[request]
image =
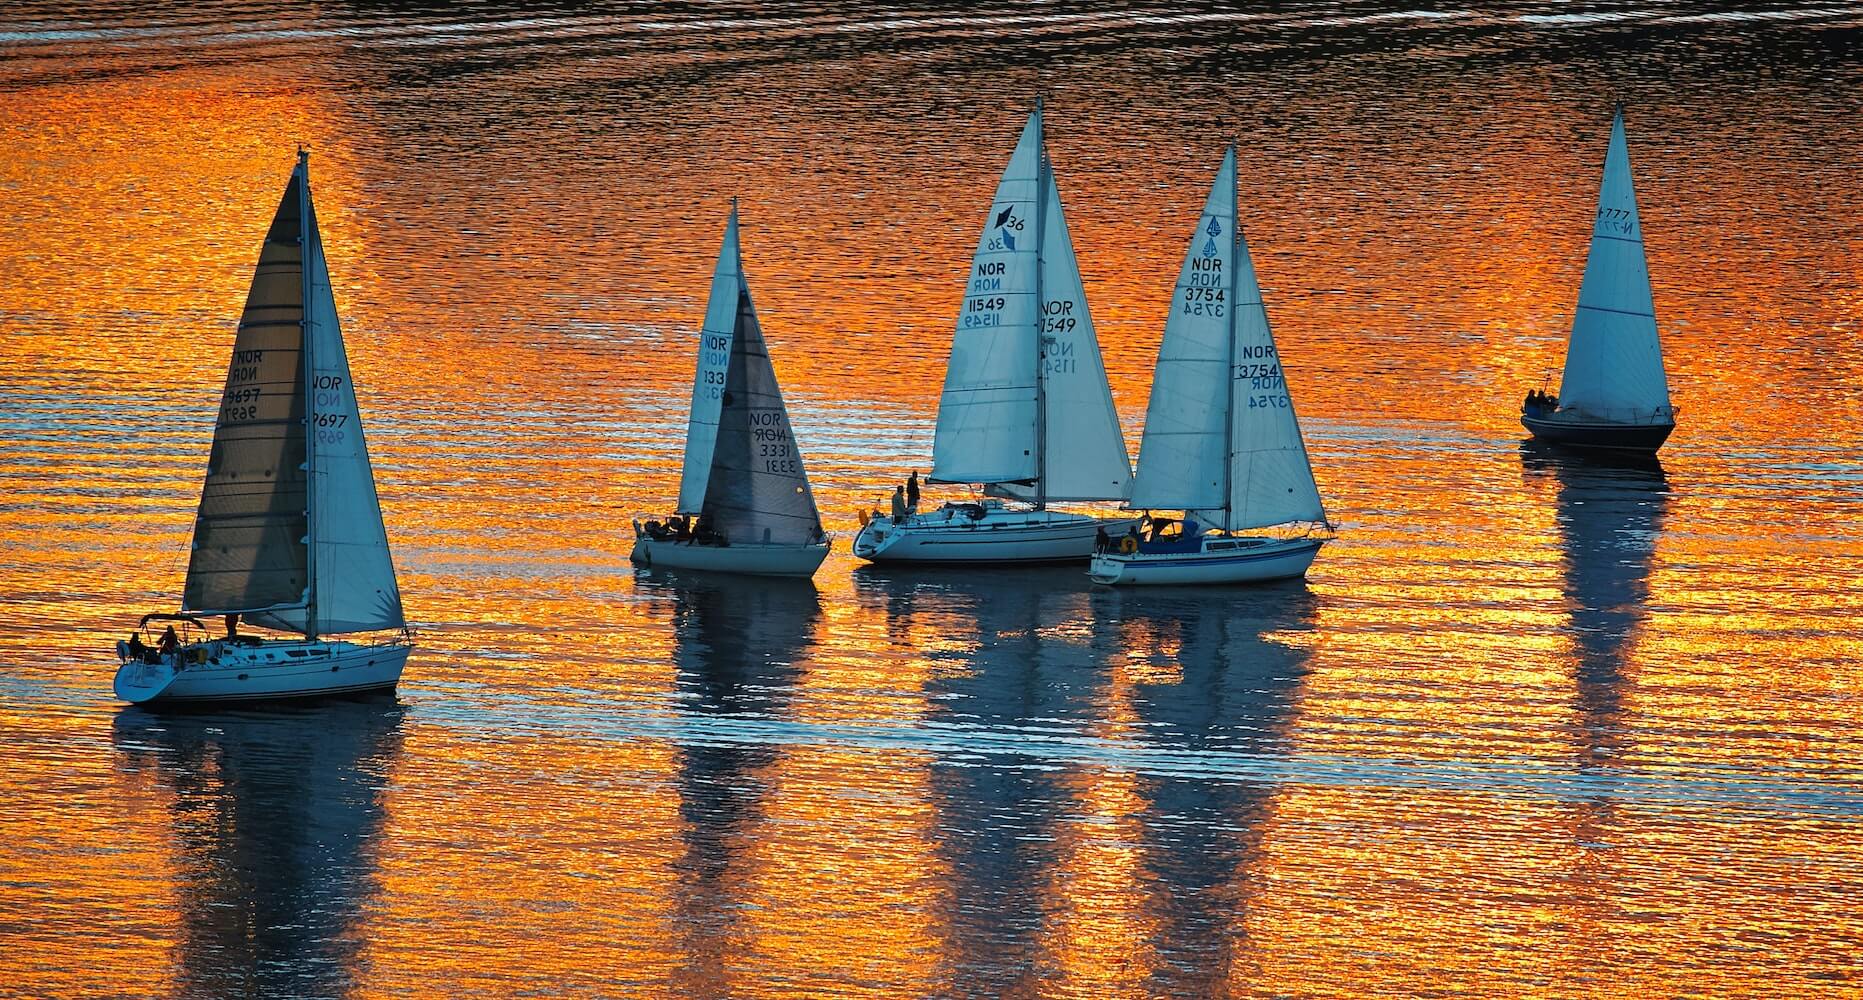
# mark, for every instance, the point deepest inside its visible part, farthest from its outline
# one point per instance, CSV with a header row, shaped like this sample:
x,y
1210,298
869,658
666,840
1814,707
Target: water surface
x,y
1532,726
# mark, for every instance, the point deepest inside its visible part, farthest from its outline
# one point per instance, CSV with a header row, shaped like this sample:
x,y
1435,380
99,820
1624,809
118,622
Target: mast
x,y
1042,180
1229,347
306,362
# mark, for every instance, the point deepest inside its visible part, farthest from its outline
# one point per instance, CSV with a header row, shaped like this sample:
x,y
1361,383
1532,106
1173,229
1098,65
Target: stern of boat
x,y
138,682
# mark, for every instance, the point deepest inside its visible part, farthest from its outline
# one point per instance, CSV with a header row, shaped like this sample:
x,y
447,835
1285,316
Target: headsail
x,y
1184,456
708,381
1613,364
249,551
1084,453
353,587
987,414
1270,476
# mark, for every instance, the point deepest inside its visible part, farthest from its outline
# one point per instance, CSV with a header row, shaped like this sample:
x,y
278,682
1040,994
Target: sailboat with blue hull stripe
x,y
1222,442
1614,394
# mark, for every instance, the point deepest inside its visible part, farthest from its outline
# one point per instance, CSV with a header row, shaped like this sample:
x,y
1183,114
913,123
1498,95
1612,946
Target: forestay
x,y
1183,457
248,550
987,414
1613,364
1270,476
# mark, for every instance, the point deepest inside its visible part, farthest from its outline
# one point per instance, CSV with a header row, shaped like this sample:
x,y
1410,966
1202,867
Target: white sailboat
x,y
1222,442
1615,393
1026,412
289,532
744,499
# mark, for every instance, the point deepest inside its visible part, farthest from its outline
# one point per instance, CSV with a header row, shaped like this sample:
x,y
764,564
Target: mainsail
x,y
1184,455
1221,437
1613,363
751,486
289,530
986,417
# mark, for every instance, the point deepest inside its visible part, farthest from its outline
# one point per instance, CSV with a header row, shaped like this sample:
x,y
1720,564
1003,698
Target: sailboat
x,y
289,531
1026,411
744,499
1222,442
1615,393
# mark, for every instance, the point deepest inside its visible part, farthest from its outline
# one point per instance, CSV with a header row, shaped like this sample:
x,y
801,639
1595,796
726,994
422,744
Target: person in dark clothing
x,y
912,492
137,651
170,642
232,626
1101,540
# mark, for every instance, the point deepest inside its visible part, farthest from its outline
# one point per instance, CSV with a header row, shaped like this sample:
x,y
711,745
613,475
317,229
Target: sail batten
x,y
1613,364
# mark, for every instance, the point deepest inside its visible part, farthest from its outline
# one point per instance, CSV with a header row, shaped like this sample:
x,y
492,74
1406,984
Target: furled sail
x,y
708,381
1613,363
1270,476
249,547
987,414
1183,457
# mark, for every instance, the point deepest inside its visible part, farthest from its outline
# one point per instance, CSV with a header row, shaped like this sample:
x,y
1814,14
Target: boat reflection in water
x,y
278,816
1074,846
737,648
1610,510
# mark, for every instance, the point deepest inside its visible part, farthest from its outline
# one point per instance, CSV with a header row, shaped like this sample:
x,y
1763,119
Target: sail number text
x,y
1262,370
715,357
775,453
1617,220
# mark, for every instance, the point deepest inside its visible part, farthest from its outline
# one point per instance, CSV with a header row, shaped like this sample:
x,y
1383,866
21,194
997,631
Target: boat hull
x,y
1598,435
951,536
220,671
1222,560
746,560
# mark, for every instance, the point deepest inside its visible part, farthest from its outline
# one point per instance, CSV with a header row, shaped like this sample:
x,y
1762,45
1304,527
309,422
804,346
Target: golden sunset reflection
x,y
1533,726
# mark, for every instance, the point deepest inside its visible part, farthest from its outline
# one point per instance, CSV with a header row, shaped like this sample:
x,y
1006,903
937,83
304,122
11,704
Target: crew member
x,y
899,504
912,493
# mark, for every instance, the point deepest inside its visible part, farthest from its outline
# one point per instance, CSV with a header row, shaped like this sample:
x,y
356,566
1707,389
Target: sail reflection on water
x,y
738,648
1215,675
1610,513
278,815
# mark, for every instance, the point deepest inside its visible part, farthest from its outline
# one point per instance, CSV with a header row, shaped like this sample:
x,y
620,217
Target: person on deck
x,y
912,493
138,651
170,642
232,626
1132,532
899,504
1101,540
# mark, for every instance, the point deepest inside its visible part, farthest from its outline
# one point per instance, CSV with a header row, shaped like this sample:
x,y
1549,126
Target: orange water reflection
x,y
1533,726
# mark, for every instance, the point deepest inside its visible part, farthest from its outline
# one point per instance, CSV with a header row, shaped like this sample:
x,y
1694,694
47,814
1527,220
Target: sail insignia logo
x,y
1215,228
1005,221
1209,249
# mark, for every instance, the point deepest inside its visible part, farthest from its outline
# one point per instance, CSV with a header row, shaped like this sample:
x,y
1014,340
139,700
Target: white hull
x,y
749,560
1222,560
273,670
1001,535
